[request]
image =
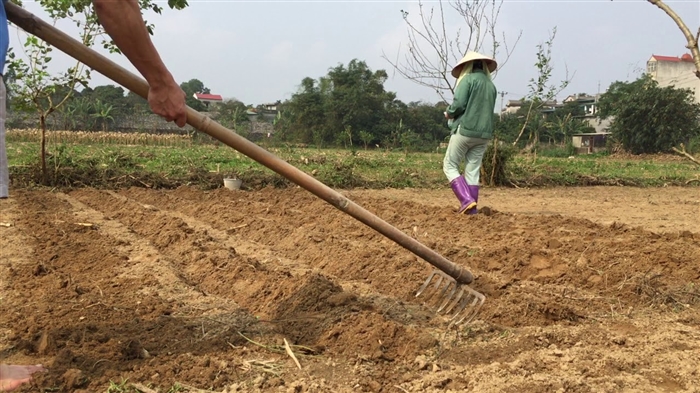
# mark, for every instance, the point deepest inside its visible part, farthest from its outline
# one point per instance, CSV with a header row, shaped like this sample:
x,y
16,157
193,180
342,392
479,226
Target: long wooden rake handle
x,y
33,25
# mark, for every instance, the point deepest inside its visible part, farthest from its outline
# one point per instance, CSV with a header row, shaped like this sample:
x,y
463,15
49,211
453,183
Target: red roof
x,y
685,57
212,97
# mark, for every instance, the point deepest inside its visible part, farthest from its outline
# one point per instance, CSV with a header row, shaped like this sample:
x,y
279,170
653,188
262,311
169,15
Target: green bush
x,y
694,145
494,168
558,151
648,118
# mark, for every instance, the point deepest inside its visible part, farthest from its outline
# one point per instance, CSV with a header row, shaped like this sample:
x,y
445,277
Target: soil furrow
x,y
301,227
147,264
511,255
307,308
97,323
170,286
407,313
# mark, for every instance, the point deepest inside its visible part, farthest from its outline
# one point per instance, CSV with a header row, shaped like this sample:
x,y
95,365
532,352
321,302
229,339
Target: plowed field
x,y
588,290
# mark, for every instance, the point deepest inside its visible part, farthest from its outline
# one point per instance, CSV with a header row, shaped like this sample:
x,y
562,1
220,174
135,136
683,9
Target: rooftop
x,y
208,97
686,57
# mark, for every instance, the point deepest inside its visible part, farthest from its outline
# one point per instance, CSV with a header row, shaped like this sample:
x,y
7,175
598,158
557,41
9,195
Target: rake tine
x,y
465,301
427,282
436,287
476,306
472,309
448,283
455,287
455,301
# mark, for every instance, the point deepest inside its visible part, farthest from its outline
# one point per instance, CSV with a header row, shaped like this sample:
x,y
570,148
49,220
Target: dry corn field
x,y
99,137
588,290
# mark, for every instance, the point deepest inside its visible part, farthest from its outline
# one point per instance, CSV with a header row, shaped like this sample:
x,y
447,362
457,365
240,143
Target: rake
x,y
451,285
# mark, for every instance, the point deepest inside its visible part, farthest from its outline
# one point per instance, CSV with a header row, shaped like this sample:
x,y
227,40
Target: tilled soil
x,y
188,290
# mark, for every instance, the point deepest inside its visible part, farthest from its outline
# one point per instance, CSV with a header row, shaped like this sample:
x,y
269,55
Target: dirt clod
x,y
74,378
554,244
46,344
421,362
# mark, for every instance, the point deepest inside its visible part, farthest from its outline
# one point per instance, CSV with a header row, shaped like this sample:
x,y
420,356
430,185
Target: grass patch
x,y
111,165
600,169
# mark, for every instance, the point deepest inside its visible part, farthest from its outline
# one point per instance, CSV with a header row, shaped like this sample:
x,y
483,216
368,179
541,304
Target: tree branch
x,y
692,45
692,40
431,53
686,154
540,93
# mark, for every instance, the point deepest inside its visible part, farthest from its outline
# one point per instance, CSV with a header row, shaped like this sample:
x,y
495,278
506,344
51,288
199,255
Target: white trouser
x,y
462,148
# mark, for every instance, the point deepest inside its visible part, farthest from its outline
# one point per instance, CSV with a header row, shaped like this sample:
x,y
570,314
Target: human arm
x,y
123,22
461,97
12,376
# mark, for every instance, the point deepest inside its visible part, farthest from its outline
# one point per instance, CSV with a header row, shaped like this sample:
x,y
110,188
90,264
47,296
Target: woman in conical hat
x,y
470,119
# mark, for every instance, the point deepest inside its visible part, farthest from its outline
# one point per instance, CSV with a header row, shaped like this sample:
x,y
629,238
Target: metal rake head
x,y
461,301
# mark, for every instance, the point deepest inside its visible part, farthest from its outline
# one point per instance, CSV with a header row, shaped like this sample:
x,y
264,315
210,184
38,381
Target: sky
x,y
258,51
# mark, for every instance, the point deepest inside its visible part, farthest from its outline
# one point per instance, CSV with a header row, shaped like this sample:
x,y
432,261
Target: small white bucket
x,y
233,184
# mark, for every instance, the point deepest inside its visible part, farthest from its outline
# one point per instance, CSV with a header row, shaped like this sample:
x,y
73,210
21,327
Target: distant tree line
x,y
350,107
110,107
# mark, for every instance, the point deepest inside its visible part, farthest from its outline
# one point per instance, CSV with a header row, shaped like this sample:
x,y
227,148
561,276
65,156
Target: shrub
x,y
648,118
495,163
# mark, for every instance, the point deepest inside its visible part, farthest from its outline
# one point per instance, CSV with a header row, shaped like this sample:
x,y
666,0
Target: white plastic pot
x,y
233,184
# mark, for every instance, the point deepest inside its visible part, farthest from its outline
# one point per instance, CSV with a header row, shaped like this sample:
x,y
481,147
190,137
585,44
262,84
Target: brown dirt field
x,y
588,290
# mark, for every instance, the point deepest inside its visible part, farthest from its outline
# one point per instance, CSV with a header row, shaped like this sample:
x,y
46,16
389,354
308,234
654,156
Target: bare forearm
x,y
123,22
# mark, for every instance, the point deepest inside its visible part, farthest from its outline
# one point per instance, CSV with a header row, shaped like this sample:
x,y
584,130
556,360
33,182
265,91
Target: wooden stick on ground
x,y
143,388
686,154
291,354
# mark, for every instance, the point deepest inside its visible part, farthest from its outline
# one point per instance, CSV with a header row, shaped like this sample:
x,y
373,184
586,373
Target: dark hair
x,y
478,65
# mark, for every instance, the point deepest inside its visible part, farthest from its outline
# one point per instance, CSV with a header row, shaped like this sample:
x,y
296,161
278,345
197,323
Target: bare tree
x,y
692,39
433,50
692,45
541,93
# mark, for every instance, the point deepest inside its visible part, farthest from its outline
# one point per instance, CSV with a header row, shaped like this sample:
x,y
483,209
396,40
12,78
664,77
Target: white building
x,y
589,104
675,71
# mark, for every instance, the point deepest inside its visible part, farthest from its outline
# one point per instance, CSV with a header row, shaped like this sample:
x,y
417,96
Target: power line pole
x,y
500,114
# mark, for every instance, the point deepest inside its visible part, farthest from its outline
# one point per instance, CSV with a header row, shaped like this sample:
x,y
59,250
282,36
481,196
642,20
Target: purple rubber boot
x,y
459,187
474,193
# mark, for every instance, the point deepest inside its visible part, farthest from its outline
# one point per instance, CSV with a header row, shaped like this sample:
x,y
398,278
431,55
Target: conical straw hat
x,y
471,56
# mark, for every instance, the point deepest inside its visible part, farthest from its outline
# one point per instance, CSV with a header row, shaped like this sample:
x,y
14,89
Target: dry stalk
x,y
648,285
192,389
143,388
268,366
687,155
277,348
99,137
291,353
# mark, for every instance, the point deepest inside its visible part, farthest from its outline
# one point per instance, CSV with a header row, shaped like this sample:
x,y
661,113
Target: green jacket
x,y
473,105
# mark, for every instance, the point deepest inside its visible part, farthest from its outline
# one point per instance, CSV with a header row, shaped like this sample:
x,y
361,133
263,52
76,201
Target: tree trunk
x,y
494,162
42,122
527,119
